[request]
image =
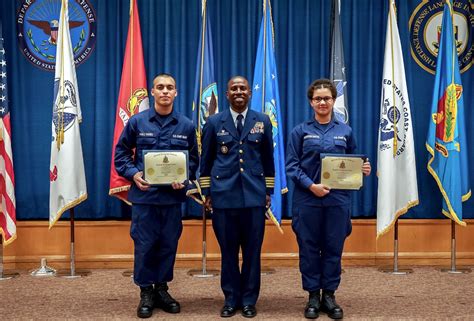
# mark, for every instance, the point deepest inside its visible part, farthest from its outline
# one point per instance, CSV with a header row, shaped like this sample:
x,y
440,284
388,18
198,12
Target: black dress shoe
x,y
249,311
164,300
314,304
228,311
330,307
145,307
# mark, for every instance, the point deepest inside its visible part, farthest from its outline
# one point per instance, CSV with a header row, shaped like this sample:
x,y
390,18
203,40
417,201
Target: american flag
x,y
7,176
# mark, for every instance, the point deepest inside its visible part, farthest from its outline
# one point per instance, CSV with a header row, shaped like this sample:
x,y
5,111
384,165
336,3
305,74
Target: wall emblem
x,y
37,30
425,33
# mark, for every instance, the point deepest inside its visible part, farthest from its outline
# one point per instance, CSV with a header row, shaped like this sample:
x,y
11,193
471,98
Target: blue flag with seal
x,y
446,143
205,101
266,98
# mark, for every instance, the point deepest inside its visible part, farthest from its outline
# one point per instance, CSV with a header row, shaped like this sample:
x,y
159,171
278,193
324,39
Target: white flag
x,y
66,176
397,190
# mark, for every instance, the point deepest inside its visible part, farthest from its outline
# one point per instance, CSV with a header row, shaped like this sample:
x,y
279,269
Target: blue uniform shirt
x,y
303,163
146,131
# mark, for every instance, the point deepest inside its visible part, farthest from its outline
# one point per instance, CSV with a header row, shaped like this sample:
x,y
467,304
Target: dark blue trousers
x,y
321,232
155,231
240,228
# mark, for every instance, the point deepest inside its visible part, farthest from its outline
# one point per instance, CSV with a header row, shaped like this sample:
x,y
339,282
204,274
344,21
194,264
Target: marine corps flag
x,y
266,98
205,101
398,188
133,95
67,176
446,143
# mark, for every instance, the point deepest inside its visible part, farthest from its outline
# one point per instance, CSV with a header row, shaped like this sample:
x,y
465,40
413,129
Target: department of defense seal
x,y
37,26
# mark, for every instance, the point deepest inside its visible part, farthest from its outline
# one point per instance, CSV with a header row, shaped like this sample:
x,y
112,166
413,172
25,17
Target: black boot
x,y
329,305
314,304
164,300
145,308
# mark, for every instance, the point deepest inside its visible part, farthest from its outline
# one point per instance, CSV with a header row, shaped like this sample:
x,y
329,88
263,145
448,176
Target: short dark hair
x,y
320,84
166,75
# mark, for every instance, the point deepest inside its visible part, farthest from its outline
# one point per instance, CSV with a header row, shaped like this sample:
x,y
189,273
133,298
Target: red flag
x,y
7,176
133,95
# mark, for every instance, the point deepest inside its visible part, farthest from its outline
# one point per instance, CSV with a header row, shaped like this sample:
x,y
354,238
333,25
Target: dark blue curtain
x,y
170,32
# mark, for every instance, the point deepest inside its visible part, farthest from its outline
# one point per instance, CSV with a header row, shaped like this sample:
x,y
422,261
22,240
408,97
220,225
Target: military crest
x,y
394,118
425,33
38,22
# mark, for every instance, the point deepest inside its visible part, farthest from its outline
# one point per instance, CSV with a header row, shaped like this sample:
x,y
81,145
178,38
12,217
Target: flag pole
x,y
3,275
395,270
453,269
72,273
203,272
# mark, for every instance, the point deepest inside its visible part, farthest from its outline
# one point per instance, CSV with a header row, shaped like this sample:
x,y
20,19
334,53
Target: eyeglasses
x,y
318,100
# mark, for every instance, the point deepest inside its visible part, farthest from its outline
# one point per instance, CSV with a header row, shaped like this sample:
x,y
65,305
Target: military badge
x,y
258,128
224,149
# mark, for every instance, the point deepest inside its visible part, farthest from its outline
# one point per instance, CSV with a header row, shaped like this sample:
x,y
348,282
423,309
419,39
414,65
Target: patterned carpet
x,y
365,294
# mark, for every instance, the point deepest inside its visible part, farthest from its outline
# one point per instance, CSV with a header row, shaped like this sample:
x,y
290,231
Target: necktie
x,y
240,126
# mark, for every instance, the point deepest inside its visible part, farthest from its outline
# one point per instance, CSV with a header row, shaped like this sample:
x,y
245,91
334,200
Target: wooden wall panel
x,y
107,244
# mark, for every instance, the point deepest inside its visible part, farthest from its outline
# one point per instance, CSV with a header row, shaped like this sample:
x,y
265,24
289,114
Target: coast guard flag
x,y
446,142
67,177
266,98
7,176
133,96
338,68
205,101
397,189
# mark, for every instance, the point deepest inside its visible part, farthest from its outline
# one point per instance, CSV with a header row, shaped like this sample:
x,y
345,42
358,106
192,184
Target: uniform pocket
x,y
179,143
224,144
254,138
312,145
146,141
220,173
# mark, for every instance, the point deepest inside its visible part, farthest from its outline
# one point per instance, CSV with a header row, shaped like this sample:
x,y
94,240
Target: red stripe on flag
x,y
6,175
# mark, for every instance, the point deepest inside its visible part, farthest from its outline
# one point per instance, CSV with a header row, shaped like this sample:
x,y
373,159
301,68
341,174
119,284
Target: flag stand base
x,y
68,274
9,275
267,271
455,270
203,273
127,274
43,270
399,271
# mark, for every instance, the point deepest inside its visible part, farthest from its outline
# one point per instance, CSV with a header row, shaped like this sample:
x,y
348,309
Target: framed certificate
x,y
342,171
163,167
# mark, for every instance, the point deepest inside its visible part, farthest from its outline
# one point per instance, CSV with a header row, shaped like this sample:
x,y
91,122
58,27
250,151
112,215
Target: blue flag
x,y
446,143
205,88
205,92
338,68
266,98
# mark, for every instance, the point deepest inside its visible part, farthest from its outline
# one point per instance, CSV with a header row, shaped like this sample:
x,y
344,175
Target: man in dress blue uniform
x,y
321,216
237,177
156,210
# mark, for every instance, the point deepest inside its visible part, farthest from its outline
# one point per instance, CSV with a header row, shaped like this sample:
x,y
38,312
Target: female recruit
x,y
321,216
